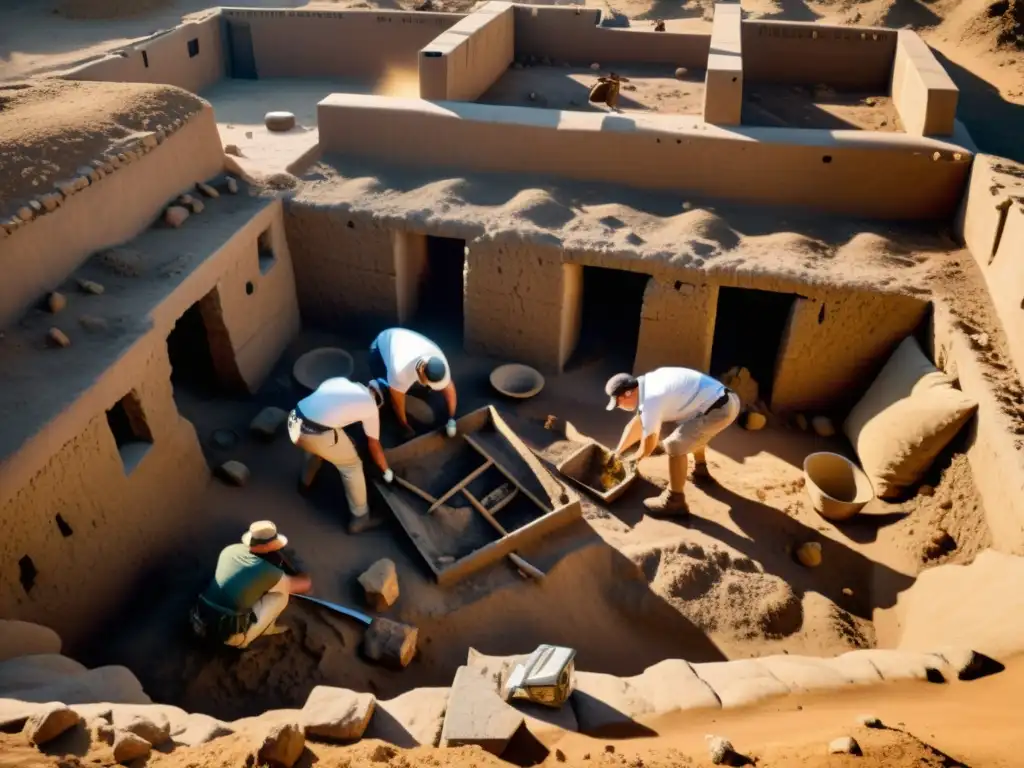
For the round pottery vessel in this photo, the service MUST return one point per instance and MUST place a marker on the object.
(838, 488)
(315, 367)
(515, 380)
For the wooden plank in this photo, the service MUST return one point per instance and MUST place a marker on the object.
(461, 484)
(410, 487)
(526, 491)
(520, 562)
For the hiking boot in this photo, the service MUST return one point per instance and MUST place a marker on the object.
(668, 503)
(701, 471)
(361, 523)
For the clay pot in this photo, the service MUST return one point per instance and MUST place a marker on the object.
(518, 381)
(315, 367)
(837, 487)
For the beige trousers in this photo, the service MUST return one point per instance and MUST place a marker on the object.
(693, 436)
(267, 609)
(343, 455)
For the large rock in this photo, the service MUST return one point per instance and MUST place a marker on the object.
(197, 728)
(337, 714)
(380, 583)
(22, 638)
(49, 723)
(113, 684)
(739, 683)
(37, 670)
(390, 643)
(476, 715)
(804, 673)
(281, 746)
(155, 730)
(128, 746)
(672, 685)
(411, 720)
(902, 665)
(606, 705)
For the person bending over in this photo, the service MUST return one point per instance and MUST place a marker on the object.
(400, 359)
(699, 405)
(317, 426)
(249, 590)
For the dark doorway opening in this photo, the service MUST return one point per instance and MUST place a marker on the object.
(188, 347)
(439, 300)
(241, 54)
(613, 302)
(749, 326)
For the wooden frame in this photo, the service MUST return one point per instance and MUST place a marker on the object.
(484, 434)
(575, 465)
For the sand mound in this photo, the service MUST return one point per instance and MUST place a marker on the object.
(539, 208)
(702, 225)
(51, 128)
(1002, 22)
(109, 9)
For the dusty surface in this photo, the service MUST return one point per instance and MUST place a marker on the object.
(822, 107)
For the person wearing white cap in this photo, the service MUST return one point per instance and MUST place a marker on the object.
(400, 359)
(317, 426)
(248, 591)
(700, 406)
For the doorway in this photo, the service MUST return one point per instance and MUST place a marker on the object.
(241, 55)
(440, 295)
(613, 302)
(749, 326)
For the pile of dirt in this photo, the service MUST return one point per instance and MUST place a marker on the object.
(109, 9)
(1004, 21)
(50, 128)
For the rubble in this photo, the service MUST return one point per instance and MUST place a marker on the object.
(49, 723)
(233, 473)
(391, 643)
(844, 745)
(380, 584)
(55, 337)
(337, 714)
(176, 215)
(129, 746)
(56, 301)
(268, 422)
(281, 746)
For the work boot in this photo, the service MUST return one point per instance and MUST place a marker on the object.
(701, 472)
(361, 523)
(669, 503)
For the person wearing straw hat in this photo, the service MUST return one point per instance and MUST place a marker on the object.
(699, 405)
(249, 589)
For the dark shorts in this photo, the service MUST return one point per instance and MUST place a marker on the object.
(378, 370)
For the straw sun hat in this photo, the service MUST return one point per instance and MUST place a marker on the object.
(263, 532)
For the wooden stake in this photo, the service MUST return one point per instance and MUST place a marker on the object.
(461, 484)
(519, 562)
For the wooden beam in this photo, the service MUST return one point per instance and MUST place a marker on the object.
(461, 484)
(526, 491)
(519, 562)
(410, 487)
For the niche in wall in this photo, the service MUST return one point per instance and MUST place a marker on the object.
(193, 47)
(613, 301)
(202, 358)
(440, 290)
(749, 327)
(127, 422)
(265, 250)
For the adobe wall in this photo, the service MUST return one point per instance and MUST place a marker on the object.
(807, 53)
(325, 44)
(922, 91)
(572, 35)
(165, 59)
(37, 256)
(886, 176)
(723, 81)
(677, 325)
(991, 224)
(462, 63)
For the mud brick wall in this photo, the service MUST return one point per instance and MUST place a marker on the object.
(344, 266)
(521, 302)
(677, 325)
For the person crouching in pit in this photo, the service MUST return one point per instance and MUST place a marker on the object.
(249, 589)
(317, 426)
(401, 359)
(700, 406)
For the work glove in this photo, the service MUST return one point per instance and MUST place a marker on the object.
(449, 428)
(388, 475)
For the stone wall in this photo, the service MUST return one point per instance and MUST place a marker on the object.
(463, 62)
(677, 326)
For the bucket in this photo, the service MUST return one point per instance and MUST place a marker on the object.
(838, 488)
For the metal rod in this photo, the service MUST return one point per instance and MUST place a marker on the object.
(461, 484)
(519, 562)
(526, 491)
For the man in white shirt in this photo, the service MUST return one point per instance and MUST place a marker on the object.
(317, 424)
(698, 404)
(400, 359)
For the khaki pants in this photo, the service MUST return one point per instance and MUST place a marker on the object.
(343, 455)
(267, 609)
(693, 436)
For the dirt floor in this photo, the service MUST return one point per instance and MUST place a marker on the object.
(821, 107)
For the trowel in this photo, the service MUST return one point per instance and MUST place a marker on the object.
(362, 618)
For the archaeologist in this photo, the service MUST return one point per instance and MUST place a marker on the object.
(400, 359)
(249, 590)
(606, 90)
(698, 404)
(317, 426)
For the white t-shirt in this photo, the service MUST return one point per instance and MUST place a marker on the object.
(337, 403)
(675, 394)
(402, 349)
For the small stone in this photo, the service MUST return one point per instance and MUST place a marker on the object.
(279, 121)
(559, 755)
(81, 182)
(89, 173)
(26, 214)
(36, 206)
(92, 323)
(232, 185)
(681, 73)
(801, 422)
(595, 66)
(380, 583)
(848, 592)
(196, 206)
(390, 642)
(941, 544)
(101, 730)
(114, 161)
(232, 149)
(533, 96)
(809, 554)
(57, 338)
(90, 286)
(224, 439)
(51, 201)
(845, 745)
(281, 746)
(609, 748)
(926, 490)
(719, 749)
(149, 141)
(66, 188)
(267, 422)
(207, 190)
(337, 714)
(155, 733)
(981, 340)
(233, 473)
(869, 721)
(49, 723)
(755, 421)
(122, 157)
(56, 302)
(248, 134)
(128, 746)
(185, 200)
(822, 426)
(161, 136)
(175, 216)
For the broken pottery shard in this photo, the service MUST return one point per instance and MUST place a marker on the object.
(233, 473)
(49, 723)
(232, 185)
(90, 286)
(55, 337)
(845, 745)
(720, 749)
(391, 643)
(281, 746)
(476, 715)
(155, 730)
(822, 426)
(337, 714)
(267, 422)
(380, 582)
(128, 746)
(56, 301)
(809, 554)
(175, 216)
(206, 189)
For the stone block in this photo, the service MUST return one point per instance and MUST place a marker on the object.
(672, 685)
(739, 683)
(606, 705)
(477, 716)
(233, 473)
(391, 643)
(337, 714)
(281, 746)
(380, 584)
(128, 746)
(267, 423)
(411, 720)
(197, 728)
(50, 722)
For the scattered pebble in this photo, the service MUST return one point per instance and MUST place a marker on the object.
(149, 141)
(175, 216)
(801, 422)
(196, 206)
(57, 338)
(128, 747)
(47, 724)
(809, 554)
(926, 490)
(869, 721)
(720, 749)
(595, 66)
(267, 422)
(609, 748)
(232, 149)
(559, 755)
(755, 421)
(847, 591)
(25, 213)
(90, 286)
(233, 473)
(822, 426)
(207, 190)
(941, 544)
(56, 302)
(232, 185)
(845, 745)
(223, 439)
(51, 201)
(93, 323)
(681, 73)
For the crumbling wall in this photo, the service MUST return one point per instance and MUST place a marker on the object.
(38, 256)
(677, 326)
(344, 265)
(462, 63)
(190, 56)
(572, 34)
(117, 521)
(723, 81)
(353, 43)
(522, 302)
(922, 91)
(888, 176)
(835, 343)
(849, 58)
